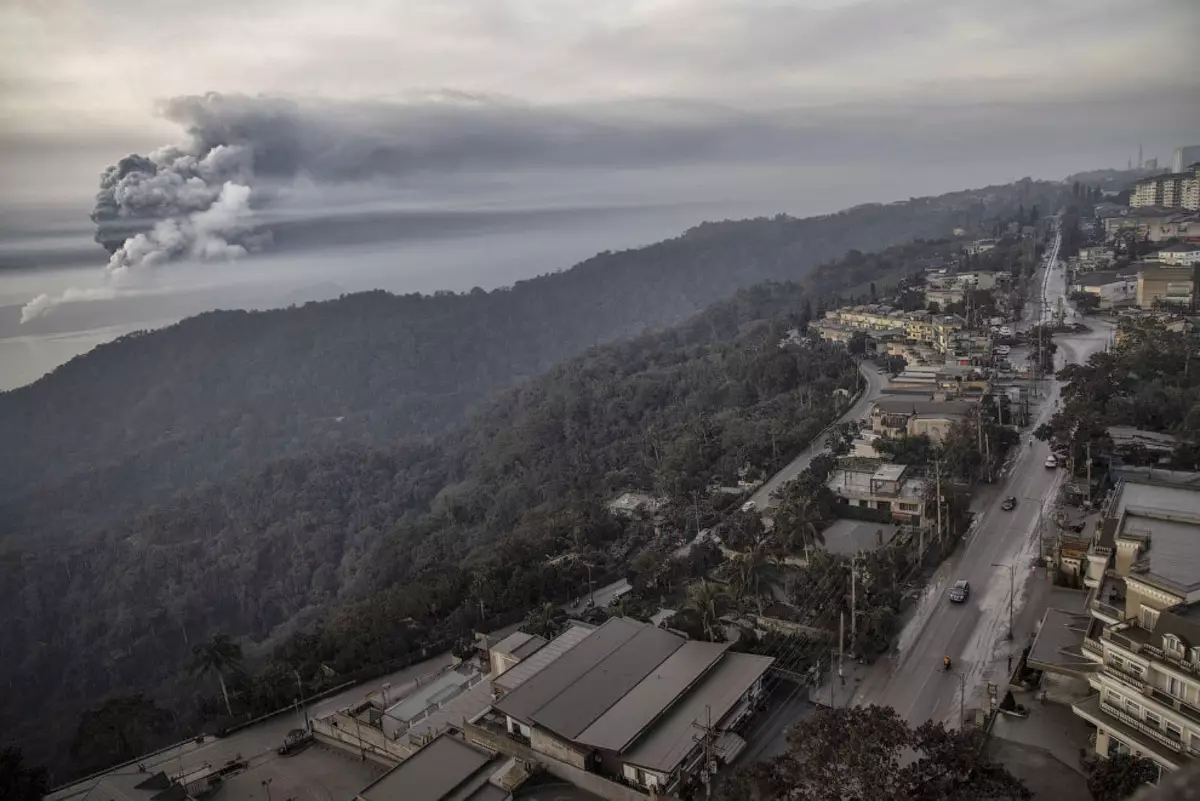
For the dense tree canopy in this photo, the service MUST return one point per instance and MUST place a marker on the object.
(866, 753)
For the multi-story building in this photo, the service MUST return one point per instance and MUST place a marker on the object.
(888, 489)
(1182, 254)
(935, 330)
(1160, 285)
(1174, 190)
(1141, 647)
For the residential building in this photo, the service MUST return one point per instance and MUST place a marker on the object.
(980, 246)
(1142, 643)
(512, 650)
(885, 323)
(890, 490)
(1159, 285)
(1184, 157)
(1174, 190)
(1114, 288)
(894, 417)
(1182, 254)
(623, 702)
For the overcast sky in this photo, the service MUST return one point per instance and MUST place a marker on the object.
(80, 80)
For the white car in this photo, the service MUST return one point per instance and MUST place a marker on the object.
(1051, 461)
(748, 506)
(1005, 331)
(1003, 350)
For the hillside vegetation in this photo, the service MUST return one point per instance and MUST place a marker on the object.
(138, 419)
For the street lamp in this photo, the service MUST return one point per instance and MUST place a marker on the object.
(267, 784)
(1011, 571)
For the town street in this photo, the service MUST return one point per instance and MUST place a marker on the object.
(973, 634)
(875, 382)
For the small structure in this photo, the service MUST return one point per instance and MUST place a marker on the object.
(445, 769)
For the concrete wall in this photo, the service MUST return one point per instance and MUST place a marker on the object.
(345, 732)
(545, 743)
(610, 790)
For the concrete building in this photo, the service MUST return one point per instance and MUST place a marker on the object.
(882, 490)
(1114, 288)
(445, 769)
(1182, 254)
(894, 417)
(1175, 190)
(1142, 643)
(886, 323)
(624, 702)
(1159, 285)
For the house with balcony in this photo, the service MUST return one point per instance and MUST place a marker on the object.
(1140, 646)
(873, 489)
(895, 417)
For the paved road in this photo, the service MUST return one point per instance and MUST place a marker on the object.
(972, 634)
(876, 381)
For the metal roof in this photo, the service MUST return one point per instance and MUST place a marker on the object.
(673, 738)
(641, 706)
(512, 642)
(431, 773)
(517, 675)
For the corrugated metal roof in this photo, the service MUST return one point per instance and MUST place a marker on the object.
(528, 647)
(430, 774)
(517, 675)
(512, 642)
(525, 701)
(632, 714)
(605, 682)
(672, 738)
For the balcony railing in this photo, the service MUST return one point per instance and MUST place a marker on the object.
(1093, 646)
(1156, 734)
(1114, 612)
(1126, 678)
(1171, 702)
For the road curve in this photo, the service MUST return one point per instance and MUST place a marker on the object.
(875, 381)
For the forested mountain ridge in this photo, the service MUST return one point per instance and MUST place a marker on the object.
(157, 412)
(328, 554)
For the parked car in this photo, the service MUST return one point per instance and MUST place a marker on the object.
(748, 506)
(1052, 461)
(1003, 350)
(960, 592)
(1009, 503)
(1005, 331)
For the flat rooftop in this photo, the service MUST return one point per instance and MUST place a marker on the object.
(441, 767)
(517, 675)
(438, 691)
(1170, 516)
(852, 536)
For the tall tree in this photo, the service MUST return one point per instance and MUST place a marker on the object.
(220, 656)
(707, 600)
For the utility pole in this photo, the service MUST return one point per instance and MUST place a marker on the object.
(300, 697)
(937, 469)
(962, 700)
(707, 738)
(841, 647)
(1089, 473)
(853, 599)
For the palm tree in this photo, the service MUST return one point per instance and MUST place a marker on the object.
(797, 524)
(543, 622)
(705, 600)
(751, 567)
(219, 655)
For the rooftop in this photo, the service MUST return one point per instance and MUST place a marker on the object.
(1170, 515)
(853, 536)
(673, 737)
(515, 676)
(924, 407)
(445, 766)
(519, 644)
(569, 694)
(641, 706)
(449, 684)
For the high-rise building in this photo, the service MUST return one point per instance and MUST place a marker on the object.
(1185, 157)
(1175, 190)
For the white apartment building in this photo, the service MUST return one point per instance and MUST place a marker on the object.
(1141, 649)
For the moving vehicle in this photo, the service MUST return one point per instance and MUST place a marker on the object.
(960, 592)
(1005, 331)
(1003, 350)
(748, 506)
(1052, 461)
(1009, 503)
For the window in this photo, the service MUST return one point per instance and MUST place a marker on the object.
(1172, 645)
(1175, 687)
(1153, 719)
(1196, 654)
(1118, 662)
(1133, 709)
(1149, 617)
(1115, 747)
(1173, 730)
(1114, 698)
